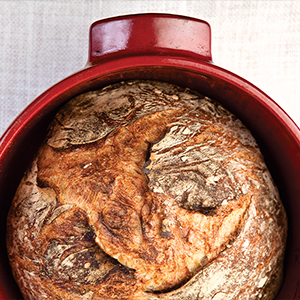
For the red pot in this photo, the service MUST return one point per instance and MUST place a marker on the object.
(169, 48)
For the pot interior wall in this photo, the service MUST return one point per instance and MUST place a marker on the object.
(277, 144)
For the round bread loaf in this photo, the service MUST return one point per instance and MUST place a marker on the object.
(146, 190)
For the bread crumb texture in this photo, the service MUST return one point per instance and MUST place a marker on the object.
(146, 190)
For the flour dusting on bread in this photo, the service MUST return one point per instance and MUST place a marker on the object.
(147, 190)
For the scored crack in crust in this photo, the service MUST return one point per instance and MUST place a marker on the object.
(139, 190)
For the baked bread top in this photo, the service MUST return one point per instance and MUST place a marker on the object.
(145, 190)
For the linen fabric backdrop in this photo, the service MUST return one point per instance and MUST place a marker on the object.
(42, 42)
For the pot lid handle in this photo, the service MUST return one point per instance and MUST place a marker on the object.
(142, 34)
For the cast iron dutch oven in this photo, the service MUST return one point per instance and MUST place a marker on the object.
(174, 49)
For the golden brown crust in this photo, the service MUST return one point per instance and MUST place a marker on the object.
(145, 190)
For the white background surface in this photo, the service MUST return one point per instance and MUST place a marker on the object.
(42, 42)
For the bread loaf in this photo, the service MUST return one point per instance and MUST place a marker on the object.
(146, 190)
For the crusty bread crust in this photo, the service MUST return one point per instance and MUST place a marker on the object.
(145, 190)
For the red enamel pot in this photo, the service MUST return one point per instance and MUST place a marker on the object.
(174, 49)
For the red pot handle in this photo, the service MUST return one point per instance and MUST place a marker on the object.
(141, 34)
